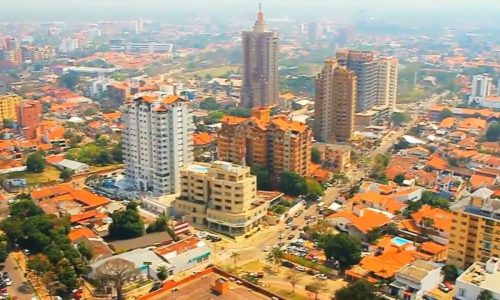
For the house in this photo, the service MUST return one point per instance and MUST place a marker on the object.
(477, 278)
(483, 179)
(148, 240)
(434, 222)
(380, 202)
(359, 221)
(415, 278)
(145, 261)
(418, 151)
(82, 234)
(412, 193)
(438, 252)
(185, 254)
(204, 147)
(437, 163)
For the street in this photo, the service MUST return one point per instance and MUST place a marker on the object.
(20, 287)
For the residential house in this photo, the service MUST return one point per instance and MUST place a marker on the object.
(477, 278)
(414, 279)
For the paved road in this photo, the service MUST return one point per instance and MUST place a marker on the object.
(20, 287)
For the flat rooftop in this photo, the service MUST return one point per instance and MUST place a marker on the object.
(477, 275)
(199, 287)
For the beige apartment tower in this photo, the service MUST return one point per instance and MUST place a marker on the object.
(220, 196)
(475, 229)
(260, 66)
(387, 87)
(335, 103)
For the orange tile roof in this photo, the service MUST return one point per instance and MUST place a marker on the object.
(441, 218)
(387, 264)
(472, 123)
(494, 146)
(112, 116)
(370, 220)
(432, 247)
(54, 159)
(51, 191)
(203, 138)
(436, 162)
(92, 214)
(463, 153)
(88, 198)
(481, 179)
(76, 234)
(447, 123)
(286, 125)
(232, 120)
(179, 247)
(409, 225)
(493, 161)
(393, 171)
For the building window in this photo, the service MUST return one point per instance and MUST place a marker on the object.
(461, 292)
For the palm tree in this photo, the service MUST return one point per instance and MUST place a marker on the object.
(277, 255)
(293, 279)
(162, 272)
(269, 259)
(235, 256)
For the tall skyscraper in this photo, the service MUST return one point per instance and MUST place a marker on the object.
(481, 86)
(260, 66)
(387, 81)
(157, 142)
(335, 103)
(8, 105)
(365, 67)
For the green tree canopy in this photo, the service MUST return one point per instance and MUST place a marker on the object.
(262, 174)
(445, 113)
(25, 208)
(85, 250)
(342, 247)
(314, 187)
(126, 223)
(35, 163)
(399, 179)
(315, 155)
(162, 223)
(450, 272)
(292, 184)
(210, 104)
(400, 117)
(493, 132)
(358, 290)
(8, 123)
(485, 295)
(66, 174)
(69, 80)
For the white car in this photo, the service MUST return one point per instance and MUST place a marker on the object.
(300, 268)
(322, 276)
(8, 281)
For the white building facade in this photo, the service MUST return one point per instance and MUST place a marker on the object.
(481, 89)
(157, 143)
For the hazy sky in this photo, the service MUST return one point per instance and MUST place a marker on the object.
(390, 10)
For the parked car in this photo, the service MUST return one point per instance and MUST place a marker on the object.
(287, 264)
(321, 276)
(300, 268)
(444, 288)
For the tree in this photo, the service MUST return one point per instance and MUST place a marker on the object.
(162, 272)
(215, 116)
(126, 223)
(209, 104)
(235, 256)
(314, 188)
(445, 113)
(391, 229)
(117, 271)
(262, 174)
(293, 279)
(341, 247)
(69, 80)
(373, 235)
(67, 274)
(162, 223)
(450, 272)
(35, 163)
(117, 153)
(39, 264)
(85, 250)
(315, 287)
(277, 256)
(485, 295)
(358, 290)
(3, 248)
(399, 179)
(8, 123)
(315, 155)
(25, 208)
(292, 184)
(399, 118)
(66, 175)
(493, 132)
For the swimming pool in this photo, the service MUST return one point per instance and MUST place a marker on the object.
(399, 241)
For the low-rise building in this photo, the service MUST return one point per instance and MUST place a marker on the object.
(337, 158)
(477, 278)
(184, 254)
(221, 196)
(416, 278)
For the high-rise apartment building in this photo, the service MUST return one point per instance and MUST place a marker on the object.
(220, 196)
(475, 229)
(8, 105)
(157, 142)
(365, 66)
(335, 103)
(481, 86)
(11, 52)
(387, 81)
(377, 78)
(29, 114)
(272, 142)
(260, 66)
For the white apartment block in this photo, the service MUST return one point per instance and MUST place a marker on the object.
(157, 142)
(481, 89)
(387, 91)
(477, 278)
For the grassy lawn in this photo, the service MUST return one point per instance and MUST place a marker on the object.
(253, 266)
(287, 294)
(104, 168)
(214, 72)
(49, 174)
